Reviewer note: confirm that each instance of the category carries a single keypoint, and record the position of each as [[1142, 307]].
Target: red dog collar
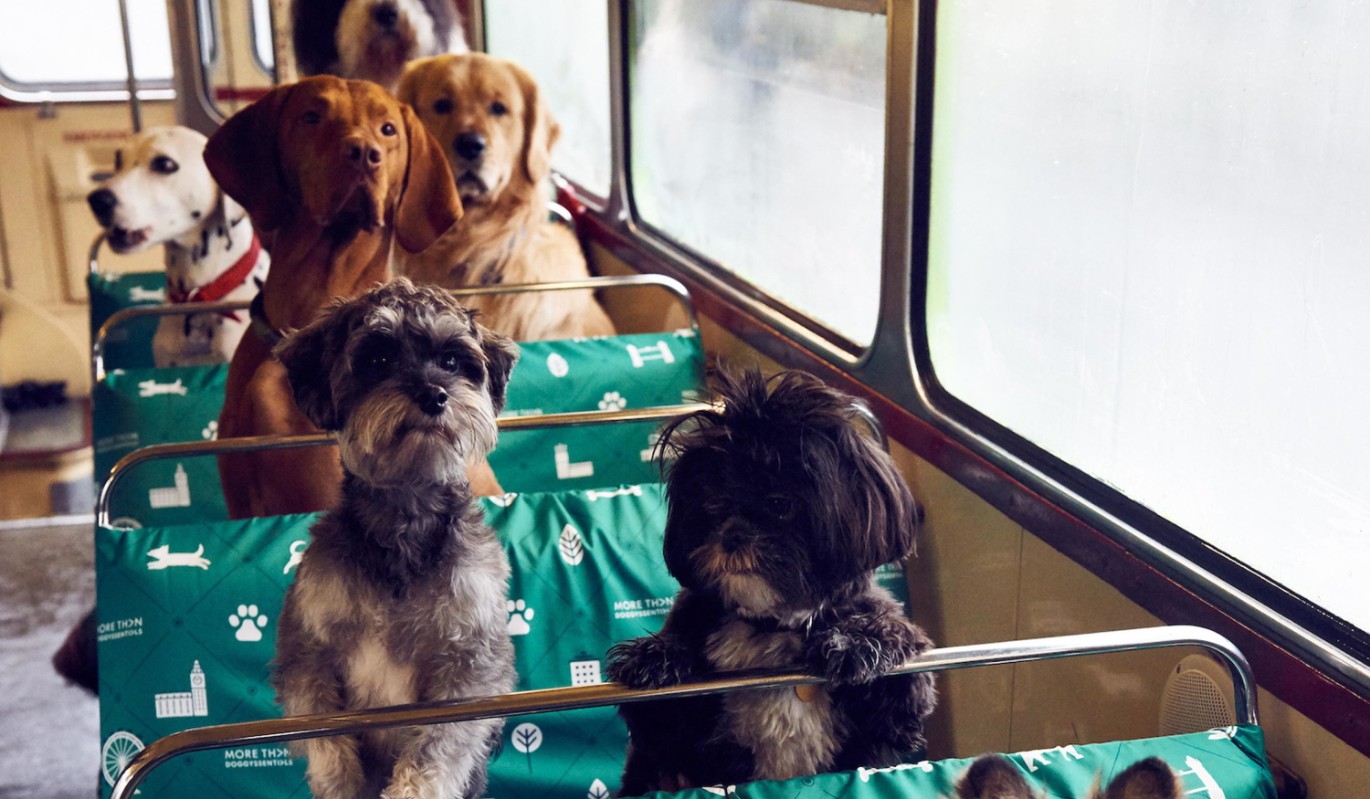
[[227, 281]]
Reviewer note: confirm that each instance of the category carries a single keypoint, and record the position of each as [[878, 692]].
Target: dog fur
[[372, 39], [338, 173], [162, 194], [400, 596], [496, 131], [995, 777], [780, 508]]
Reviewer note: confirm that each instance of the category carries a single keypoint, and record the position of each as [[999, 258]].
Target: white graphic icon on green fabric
[[527, 738], [151, 388], [566, 470], [585, 672], [659, 351], [175, 496], [503, 500], [211, 430], [613, 401], [633, 490], [164, 558], [296, 555], [1222, 733], [598, 790], [1035, 756], [1199, 772], [557, 365], [118, 750], [140, 294], [184, 704], [248, 622], [721, 790], [571, 546], [519, 616]]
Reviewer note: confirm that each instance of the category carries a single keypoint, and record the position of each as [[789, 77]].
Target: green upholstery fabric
[[611, 373], [129, 346], [1227, 763], [135, 408], [198, 603]]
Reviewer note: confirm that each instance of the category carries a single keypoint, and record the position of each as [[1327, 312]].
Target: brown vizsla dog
[[334, 173], [495, 129]]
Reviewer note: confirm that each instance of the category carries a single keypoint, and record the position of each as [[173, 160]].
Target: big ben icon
[[199, 699]]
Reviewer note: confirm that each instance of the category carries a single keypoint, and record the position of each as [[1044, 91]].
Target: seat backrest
[[129, 345]]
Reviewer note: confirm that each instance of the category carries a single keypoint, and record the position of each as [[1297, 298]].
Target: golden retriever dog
[[497, 134]]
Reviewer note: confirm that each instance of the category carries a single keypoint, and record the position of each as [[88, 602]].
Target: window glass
[[1148, 240], [758, 141], [47, 44], [565, 46], [262, 45]]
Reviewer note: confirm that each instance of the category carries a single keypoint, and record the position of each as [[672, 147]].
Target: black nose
[[470, 145], [432, 400], [385, 15], [102, 202], [733, 538]]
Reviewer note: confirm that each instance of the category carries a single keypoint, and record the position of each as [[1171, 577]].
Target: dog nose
[[470, 145], [361, 154], [385, 15], [102, 202], [733, 538], [432, 400]]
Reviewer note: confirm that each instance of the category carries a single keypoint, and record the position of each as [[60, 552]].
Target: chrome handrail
[[261, 443], [94, 254], [271, 731], [124, 315], [603, 282]]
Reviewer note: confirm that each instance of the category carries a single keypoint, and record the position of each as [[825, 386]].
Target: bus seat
[[186, 619], [140, 407], [129, 346]]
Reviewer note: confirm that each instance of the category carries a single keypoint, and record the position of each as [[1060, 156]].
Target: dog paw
[[857, 654], [654, 661]]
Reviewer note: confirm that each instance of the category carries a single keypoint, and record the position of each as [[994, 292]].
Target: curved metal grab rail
[[126, 315], [555, 699], [261, 443]]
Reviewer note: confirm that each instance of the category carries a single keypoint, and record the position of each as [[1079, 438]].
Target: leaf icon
[[571, 545], [598, 790], [527, 738]]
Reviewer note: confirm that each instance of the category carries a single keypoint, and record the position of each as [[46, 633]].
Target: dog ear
[[1146, 779], [429, 204], [243, 157], [885, 521], [501, 353], [540, 130], [307, 354], [993, 777]]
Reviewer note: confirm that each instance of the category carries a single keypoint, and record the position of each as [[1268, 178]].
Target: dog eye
[[449, 362], [388, 129], [443, 106], [311, 117], [780, 506], [498, 109], [164, 166]]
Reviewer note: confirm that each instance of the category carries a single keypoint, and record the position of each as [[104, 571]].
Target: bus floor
[[49, 729]]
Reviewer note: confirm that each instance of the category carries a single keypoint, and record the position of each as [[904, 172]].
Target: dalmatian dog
[[162, 194]]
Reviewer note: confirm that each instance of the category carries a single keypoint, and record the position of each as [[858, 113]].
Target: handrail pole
[[606, 282], [262, 443], [292, 728], [124, 315]]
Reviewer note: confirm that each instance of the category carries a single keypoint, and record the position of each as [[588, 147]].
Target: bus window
[[263, 49], [757, 141], [565, 45], [1147, 242], [76, 45]]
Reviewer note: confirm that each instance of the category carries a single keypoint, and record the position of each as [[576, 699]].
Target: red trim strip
[[1338, 709]]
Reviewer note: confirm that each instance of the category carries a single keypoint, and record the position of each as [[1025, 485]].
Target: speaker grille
[[1197, 697]]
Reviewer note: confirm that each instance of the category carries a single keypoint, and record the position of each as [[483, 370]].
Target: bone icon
[[164, 558]]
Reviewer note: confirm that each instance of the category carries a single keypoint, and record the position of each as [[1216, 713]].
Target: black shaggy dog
[[780, 510]]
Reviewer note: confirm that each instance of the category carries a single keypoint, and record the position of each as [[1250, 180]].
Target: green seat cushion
[[129, 346]]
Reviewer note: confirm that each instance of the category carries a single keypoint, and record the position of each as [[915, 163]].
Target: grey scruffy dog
[[400, 596]]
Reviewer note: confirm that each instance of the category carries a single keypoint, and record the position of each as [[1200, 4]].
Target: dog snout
[[102, 202], [361, 154], [732, 538], [469, 145], [432, 400], [385, 15]]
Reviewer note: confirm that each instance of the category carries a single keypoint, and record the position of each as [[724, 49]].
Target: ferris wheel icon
[[115, 755]]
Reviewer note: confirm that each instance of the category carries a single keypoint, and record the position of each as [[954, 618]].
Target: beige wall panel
[[1329, 767]]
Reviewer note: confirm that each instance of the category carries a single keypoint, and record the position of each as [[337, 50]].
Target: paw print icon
[[519, 616], [248, 622], [613, 401]]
